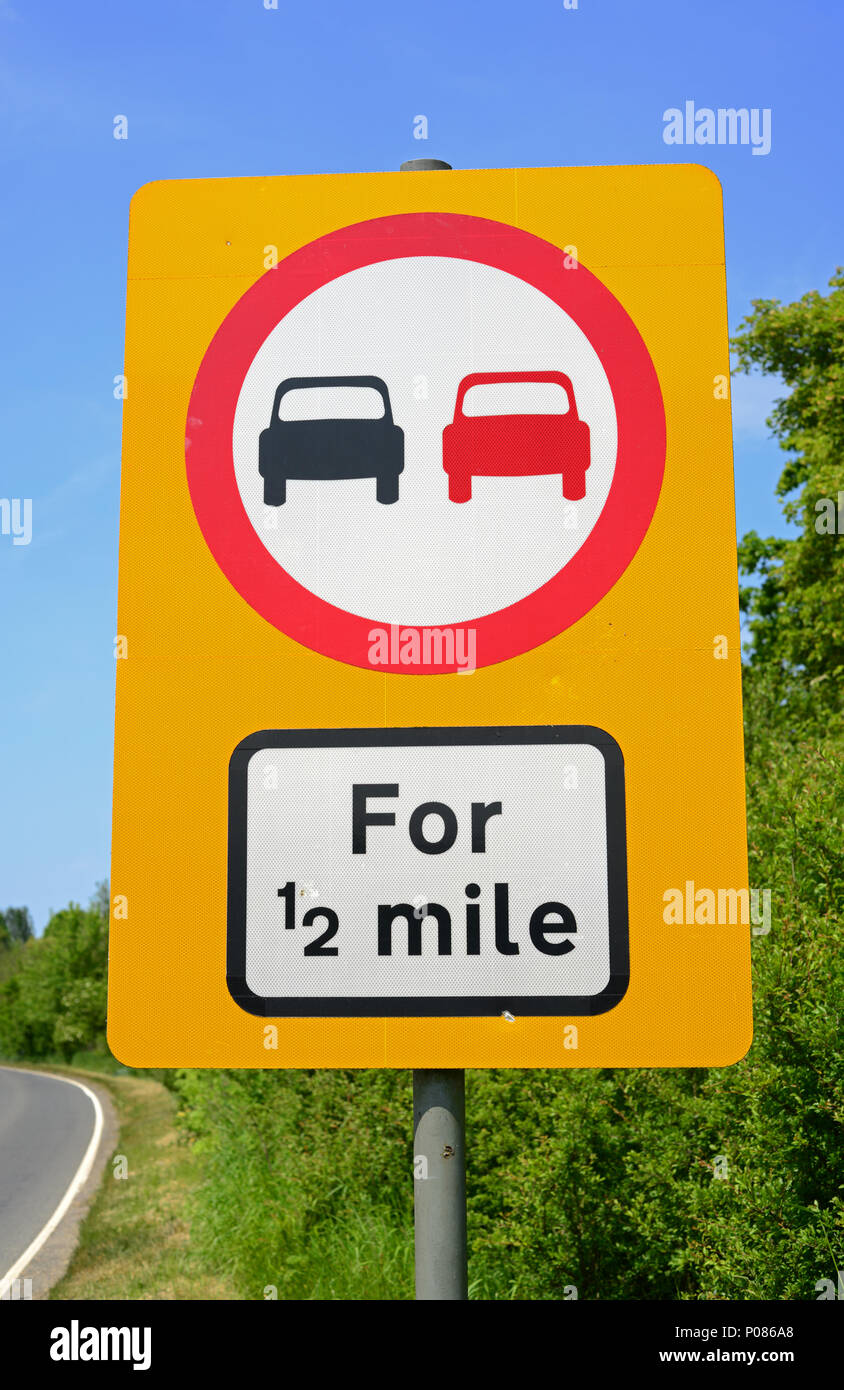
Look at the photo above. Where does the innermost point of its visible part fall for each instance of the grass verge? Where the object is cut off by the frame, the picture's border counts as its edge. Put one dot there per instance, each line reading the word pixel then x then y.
pixel 134 1242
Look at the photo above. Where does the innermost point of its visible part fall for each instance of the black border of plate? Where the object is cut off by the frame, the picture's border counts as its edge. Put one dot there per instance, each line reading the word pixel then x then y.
pixel 479 1005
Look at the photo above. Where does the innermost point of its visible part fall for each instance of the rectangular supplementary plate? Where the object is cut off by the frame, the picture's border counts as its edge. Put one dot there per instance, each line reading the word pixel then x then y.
pixel 427 872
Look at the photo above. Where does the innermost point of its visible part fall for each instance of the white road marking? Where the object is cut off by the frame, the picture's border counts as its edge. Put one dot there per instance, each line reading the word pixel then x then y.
pixel 77 1182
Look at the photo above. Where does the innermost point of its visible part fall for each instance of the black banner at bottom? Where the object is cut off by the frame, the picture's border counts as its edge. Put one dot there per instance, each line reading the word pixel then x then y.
pixel 59 1339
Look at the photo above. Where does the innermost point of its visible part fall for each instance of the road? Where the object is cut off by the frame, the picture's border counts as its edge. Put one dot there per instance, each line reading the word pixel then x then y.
pixel 46 1131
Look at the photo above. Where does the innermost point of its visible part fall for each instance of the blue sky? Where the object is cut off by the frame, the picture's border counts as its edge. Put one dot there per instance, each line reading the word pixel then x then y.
pixel 228 87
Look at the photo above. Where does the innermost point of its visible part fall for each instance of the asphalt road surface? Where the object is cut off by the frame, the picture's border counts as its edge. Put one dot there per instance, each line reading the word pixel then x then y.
pixel 45 1128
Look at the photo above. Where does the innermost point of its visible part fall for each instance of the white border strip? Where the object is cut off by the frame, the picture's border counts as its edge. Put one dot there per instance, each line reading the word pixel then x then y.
pixel 77 1182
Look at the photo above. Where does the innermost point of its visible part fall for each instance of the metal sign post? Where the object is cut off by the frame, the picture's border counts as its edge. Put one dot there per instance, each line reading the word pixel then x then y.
pixel 439 1187
pixel 439 1143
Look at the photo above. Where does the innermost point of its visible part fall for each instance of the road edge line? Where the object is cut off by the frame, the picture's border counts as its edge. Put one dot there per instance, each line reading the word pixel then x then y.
pixel 77 1182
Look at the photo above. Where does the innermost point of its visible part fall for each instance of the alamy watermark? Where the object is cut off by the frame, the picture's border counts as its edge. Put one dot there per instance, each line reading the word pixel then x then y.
pixel 18 1289
pixel 16 519
pixel 827 1290
pixel 79 1342
pixel 830 516
pixel 450 648
pixel 728 125
pixel 710 907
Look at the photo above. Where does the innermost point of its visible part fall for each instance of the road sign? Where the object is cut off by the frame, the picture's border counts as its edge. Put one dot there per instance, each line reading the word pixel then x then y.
pixel 424 295
pixel 423 909
pixel 428 698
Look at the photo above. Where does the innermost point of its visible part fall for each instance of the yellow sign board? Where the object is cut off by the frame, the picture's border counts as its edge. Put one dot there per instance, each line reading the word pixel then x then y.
pixel 428 737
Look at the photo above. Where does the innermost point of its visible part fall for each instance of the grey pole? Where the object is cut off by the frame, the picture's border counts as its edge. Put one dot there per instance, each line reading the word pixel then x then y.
pixel 410 166
pixel 439 1142
pixel 439 1184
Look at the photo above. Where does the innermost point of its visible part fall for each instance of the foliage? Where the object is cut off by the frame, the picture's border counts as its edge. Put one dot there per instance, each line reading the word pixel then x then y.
pixel 797 609
pixel 54 998
pixel 15 925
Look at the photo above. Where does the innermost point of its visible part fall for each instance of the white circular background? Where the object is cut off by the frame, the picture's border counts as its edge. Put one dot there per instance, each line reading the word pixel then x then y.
pixel 421 324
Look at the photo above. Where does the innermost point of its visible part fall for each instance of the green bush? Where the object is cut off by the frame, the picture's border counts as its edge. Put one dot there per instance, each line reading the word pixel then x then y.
pixel 607 1180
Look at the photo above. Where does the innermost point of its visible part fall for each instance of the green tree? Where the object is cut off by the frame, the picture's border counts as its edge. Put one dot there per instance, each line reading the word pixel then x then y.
pixel 796 611
pixel 100 901
pixel 56 998
pixel 19 923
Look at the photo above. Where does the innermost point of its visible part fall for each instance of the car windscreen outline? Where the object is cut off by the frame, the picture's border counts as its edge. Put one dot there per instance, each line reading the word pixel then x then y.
pixel 516 446
pixel 328 450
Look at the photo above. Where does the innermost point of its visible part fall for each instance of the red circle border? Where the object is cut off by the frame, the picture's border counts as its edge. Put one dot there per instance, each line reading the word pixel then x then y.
pixel 562 600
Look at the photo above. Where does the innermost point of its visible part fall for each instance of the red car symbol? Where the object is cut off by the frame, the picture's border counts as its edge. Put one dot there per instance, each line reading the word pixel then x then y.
pixel 515 446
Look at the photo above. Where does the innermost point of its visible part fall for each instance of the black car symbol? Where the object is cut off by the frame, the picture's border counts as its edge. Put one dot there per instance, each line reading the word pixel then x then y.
pixel 330 449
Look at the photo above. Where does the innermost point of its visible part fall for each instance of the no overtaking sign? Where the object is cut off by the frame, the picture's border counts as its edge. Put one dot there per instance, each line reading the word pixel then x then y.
pixel 448 528
pixel 429 688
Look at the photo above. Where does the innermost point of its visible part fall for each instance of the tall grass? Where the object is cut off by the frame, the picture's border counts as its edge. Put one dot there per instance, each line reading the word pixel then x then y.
pixel 306 1186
